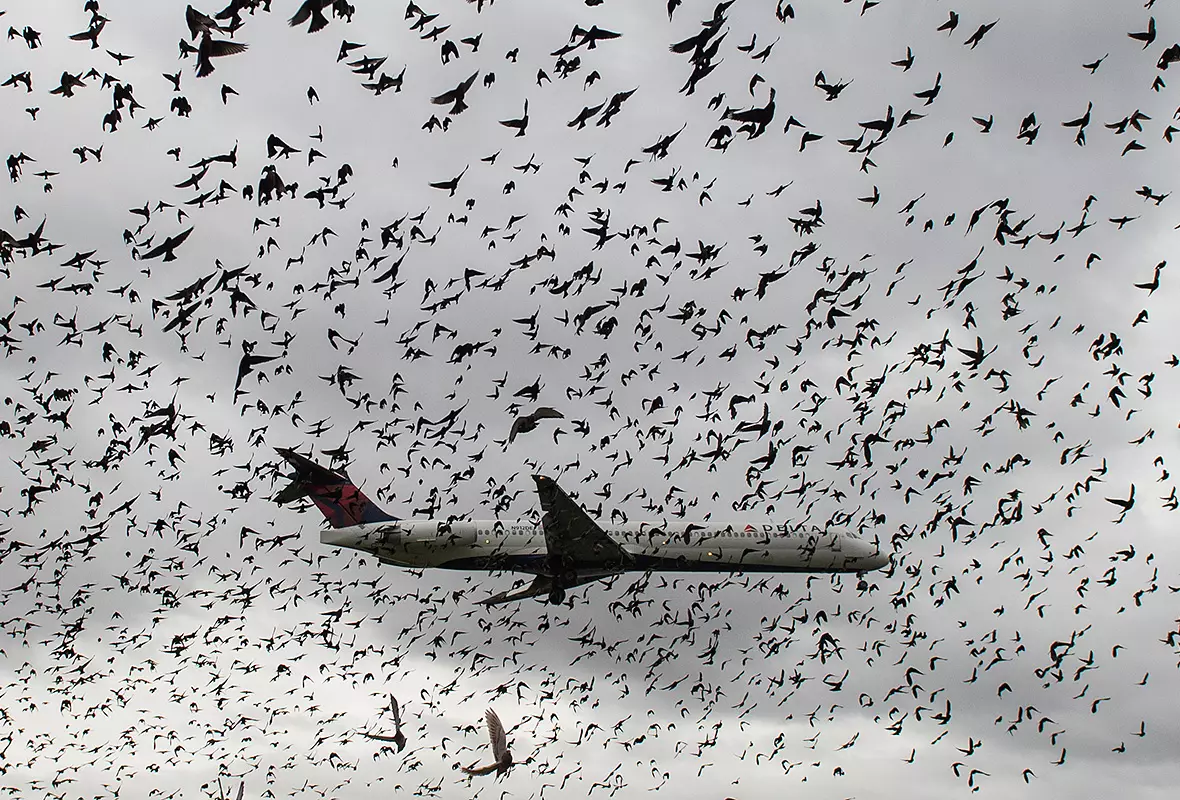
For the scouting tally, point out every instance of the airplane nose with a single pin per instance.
(869, 556)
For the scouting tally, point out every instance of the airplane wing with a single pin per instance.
(573, 539)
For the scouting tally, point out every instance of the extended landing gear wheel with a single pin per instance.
(556, 596)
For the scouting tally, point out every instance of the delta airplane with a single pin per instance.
(567, 548)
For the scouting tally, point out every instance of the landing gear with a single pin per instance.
(563, 575)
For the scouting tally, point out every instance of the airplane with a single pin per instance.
(566, 548)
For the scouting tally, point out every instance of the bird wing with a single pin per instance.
(197, 21)
(379, 737)
(517, 425)
(221, 47)
(467, 83)
(89, 33)
(171, 243)
(544, 412)
(179, 238)
(303, 13)
(497, 735)
(486, 770)
(456, 93)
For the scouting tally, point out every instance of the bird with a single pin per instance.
(398, 738)
(199, 23)
(247, 364)
(980, 32)
(519, 124)
(211, 48)
(1125, 505)
(167, 248)
(312, 10)
(1147, 36)
(1154, 283)
(529, 422)
(452, 185)
(499, 742)
(68, 84)
(906, 62)
(457, 96)
(91, 34)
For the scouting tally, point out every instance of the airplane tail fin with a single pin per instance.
(340, 501)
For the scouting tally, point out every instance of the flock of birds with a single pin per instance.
(161, 616)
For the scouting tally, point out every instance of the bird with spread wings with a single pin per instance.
(528, 422)
(398, 737)
(499, 741)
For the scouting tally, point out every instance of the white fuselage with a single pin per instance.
(691, 546)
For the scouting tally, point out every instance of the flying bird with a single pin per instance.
(211, 48)
(199, 23)
(1147, 36)
(311, 10)
(980, 32)
(456, 96)
(499, 742)
(398, 737)
(168, 247)
(529, 422)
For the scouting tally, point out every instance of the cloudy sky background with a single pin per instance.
(182, 644)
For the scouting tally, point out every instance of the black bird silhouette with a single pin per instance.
(929, 95)
(277, 147)
(529, 422)
(199, 23)
(589, 38)
(398, 737)
(1147, 36)
(211, 48)
(980, 32)
(311, 10)
(168, 247)
(519, 124)
(1154, 283)
(451, 185)
(68, 84)
(91, 33)
(247, 364)
(906, 62)
(1125, 505)
(457, 96)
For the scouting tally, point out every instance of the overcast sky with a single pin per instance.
(939, 320)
